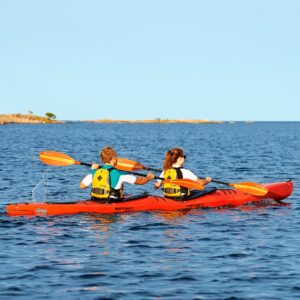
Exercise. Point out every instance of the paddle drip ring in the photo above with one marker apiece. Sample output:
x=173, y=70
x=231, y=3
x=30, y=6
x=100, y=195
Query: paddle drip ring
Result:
x=40, y=190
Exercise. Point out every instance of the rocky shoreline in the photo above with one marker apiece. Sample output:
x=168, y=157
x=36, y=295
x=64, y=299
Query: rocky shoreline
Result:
x=32, y=119
x=25, y=119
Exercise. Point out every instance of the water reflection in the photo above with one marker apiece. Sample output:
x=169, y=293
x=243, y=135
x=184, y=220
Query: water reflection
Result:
x=172, y=216
x=101, y=222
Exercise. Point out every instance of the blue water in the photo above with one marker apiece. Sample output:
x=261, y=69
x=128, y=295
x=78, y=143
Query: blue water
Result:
x=250, y=252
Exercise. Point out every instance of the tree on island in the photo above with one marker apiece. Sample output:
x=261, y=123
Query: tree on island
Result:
x=50, y=116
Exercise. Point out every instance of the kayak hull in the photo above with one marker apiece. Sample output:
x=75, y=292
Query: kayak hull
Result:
x=216, y=198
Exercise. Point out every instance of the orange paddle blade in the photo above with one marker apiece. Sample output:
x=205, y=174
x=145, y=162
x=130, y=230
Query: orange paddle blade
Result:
x=128, y=165
x=54, y=158
x=188, y=183
x=251, y=188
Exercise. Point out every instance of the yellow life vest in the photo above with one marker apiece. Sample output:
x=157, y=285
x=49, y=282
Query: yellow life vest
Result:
x=173, y=190
x=101, y=184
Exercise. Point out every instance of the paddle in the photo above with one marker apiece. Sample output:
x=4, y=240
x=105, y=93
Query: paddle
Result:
x=251, y=188
x=54, y=158
x=59, y=159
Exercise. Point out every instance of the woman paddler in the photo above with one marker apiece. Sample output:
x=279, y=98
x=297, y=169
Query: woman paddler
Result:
x=107, y=182
x=173, y=169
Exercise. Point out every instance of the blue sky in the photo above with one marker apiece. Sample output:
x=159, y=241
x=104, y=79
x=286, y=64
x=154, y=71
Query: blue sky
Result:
x=218, y=59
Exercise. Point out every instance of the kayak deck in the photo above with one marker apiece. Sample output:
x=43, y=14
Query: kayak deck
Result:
x=208, y=198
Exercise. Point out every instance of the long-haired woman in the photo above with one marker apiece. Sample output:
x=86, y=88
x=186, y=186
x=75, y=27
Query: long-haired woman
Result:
x=173, y=169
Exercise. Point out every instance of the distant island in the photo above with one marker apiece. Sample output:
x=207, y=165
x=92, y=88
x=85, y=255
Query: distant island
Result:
x=26, y=119
x=158, y=121
x=50, y=118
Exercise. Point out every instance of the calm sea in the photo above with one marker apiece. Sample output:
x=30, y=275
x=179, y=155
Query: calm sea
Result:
x=251, y=252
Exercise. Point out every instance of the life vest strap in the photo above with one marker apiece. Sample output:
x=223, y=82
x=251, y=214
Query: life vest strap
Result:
x=171, y=190
x=99, y=191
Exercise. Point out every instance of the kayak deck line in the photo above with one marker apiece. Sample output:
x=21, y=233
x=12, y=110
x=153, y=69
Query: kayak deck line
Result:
x=210, y=197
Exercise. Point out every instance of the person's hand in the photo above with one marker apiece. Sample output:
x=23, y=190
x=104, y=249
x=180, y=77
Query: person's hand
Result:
x=95, y=166
x=208, y=179
x=150, y=176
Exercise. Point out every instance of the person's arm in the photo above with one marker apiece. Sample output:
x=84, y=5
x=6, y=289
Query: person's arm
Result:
x=159, y=182
x=87, y=180
x=143, y=180
x=132, y=179
x=204, y=181
x=190, y=175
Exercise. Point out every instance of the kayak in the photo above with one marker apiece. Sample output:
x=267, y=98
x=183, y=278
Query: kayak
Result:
x=210, y=197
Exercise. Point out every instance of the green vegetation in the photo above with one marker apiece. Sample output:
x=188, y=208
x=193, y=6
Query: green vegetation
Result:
x=50, y=116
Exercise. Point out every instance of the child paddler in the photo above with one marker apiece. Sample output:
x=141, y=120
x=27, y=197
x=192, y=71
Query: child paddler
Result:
x=107, y=182
x=173, y=169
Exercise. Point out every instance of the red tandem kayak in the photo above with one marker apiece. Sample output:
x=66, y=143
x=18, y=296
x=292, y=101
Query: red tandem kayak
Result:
x=208, y=198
